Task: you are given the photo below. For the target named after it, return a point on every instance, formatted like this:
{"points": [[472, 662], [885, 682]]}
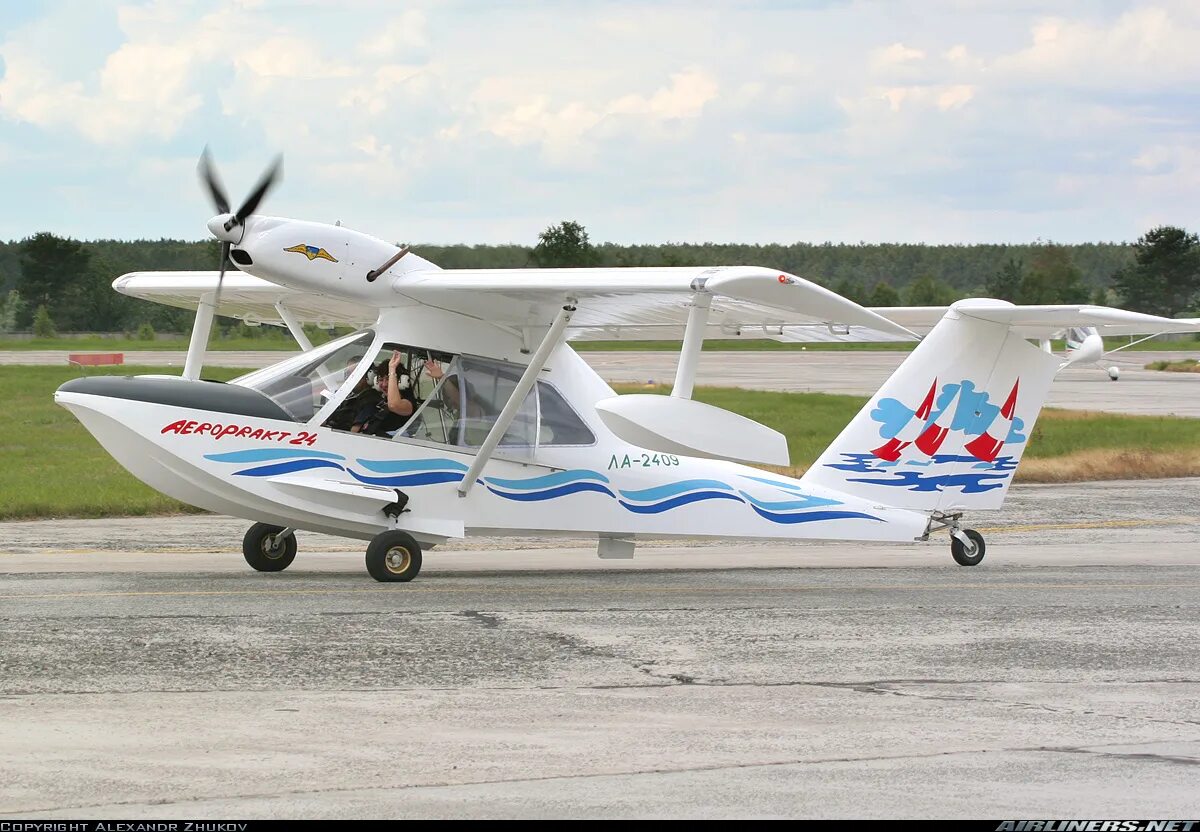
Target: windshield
{"points": [[302, 383]]}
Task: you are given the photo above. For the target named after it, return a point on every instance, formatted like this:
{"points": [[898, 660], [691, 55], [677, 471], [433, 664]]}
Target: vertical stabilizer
{"points": [[947, 430]]}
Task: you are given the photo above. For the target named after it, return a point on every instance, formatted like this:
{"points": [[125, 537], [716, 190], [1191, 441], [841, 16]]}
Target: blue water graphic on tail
{"points": [[981, 477]]}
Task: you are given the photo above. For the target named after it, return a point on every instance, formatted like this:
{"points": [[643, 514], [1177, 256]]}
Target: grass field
{"points": [[52, 467]]}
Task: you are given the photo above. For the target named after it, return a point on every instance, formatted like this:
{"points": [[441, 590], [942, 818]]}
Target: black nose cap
{"points": [[179, 392]]}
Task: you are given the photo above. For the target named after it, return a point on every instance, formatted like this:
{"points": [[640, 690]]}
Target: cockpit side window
{"points": [[447, 400], [302, 384]]}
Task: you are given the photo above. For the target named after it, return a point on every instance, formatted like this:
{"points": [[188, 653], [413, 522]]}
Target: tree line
{"points": [[64, 284]]}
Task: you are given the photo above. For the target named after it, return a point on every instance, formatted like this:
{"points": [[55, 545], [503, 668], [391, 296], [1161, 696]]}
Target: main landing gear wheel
{"points": [[268, 551], [965, 555], [394, 556]]}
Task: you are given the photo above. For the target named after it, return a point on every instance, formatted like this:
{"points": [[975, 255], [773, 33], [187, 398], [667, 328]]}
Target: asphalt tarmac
{"points": [[147, 672]]}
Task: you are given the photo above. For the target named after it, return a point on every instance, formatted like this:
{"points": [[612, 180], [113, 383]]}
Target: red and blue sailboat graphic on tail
{"points": [[912, 432], [959, 408], [987, 446]]}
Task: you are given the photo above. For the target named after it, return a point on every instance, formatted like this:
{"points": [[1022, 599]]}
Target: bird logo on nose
{"points": [[312, 252]]}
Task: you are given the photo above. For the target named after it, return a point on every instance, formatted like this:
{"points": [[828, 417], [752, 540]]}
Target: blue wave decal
{"points": [[976, 482], [785, 485], [287, 468], [914, 481], [671, 489], [547, 481], [419, 478], [397, 466], [806, 501], [675, 502], [264, 454], [552, 493], [812, 516]]}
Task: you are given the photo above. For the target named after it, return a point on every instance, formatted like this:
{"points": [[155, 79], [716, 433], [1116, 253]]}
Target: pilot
{"points": [[396, 403], [360, 396]]}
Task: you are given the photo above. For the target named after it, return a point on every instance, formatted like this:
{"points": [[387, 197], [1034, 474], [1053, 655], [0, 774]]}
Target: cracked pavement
{"points": [[148, 678]]}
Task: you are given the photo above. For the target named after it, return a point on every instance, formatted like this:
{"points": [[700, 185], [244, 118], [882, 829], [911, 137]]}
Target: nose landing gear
{"points": [[269, 548]]}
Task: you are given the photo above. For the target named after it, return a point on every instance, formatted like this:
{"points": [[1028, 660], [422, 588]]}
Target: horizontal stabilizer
{"points": [[672, 425]]}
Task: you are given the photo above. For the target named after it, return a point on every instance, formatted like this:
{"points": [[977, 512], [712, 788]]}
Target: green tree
{"points": [[883, 295], [851, 290], [1164, 278], [50, 266], [1053, 278], [1100, 297], [927, 290], [1005, 284], [43, 324], [564, 246], [12, 307]]}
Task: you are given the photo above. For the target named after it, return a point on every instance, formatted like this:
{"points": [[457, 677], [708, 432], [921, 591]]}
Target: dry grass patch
{"points": [[1110, 464], [1187, 365]]}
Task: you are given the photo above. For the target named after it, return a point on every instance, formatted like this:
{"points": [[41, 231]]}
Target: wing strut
{"points": [[693, 340], [199, 343], [293, 326], [553, 338]]}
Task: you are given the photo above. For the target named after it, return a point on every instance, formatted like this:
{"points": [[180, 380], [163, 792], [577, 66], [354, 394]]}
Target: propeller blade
{"points": [[220, 278], [260, 190], [209, 174]]}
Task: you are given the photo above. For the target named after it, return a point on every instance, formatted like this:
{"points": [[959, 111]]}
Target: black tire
{"points": [[265, 552], [394, 556], [962, 556]]}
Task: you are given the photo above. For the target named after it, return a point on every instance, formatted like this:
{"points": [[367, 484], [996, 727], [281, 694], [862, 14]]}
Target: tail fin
{"points": [[947, 430]]}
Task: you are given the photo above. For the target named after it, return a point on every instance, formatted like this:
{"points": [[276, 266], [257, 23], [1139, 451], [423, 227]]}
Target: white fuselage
{"points": [[310, 477]]}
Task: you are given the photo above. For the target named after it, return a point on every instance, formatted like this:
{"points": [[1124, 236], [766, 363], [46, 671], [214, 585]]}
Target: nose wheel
{"points": [[966, 546], [394, 556], [269, 548]]}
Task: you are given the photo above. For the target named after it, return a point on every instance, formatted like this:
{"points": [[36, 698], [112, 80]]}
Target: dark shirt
{"points": [[379, 420], [347, 413]]}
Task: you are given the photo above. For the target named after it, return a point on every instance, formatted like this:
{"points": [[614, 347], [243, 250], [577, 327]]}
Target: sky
{"points": [[940, 121]]}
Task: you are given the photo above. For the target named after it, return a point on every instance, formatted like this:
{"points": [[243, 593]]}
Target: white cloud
{"points": [[689, 91], [898, 53], [399, 38], [953, 97], [561, 130], [1147, 46]]}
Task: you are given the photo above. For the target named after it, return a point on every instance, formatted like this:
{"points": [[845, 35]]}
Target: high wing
{"points": [[647, 299], [635, 304], [650, 304]]}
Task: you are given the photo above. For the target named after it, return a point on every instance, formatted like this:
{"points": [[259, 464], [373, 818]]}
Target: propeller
{"points": [[209, 174], [226, 221]]}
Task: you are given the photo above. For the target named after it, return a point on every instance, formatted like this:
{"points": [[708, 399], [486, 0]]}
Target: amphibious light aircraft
{"points": [[500, 428]]}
